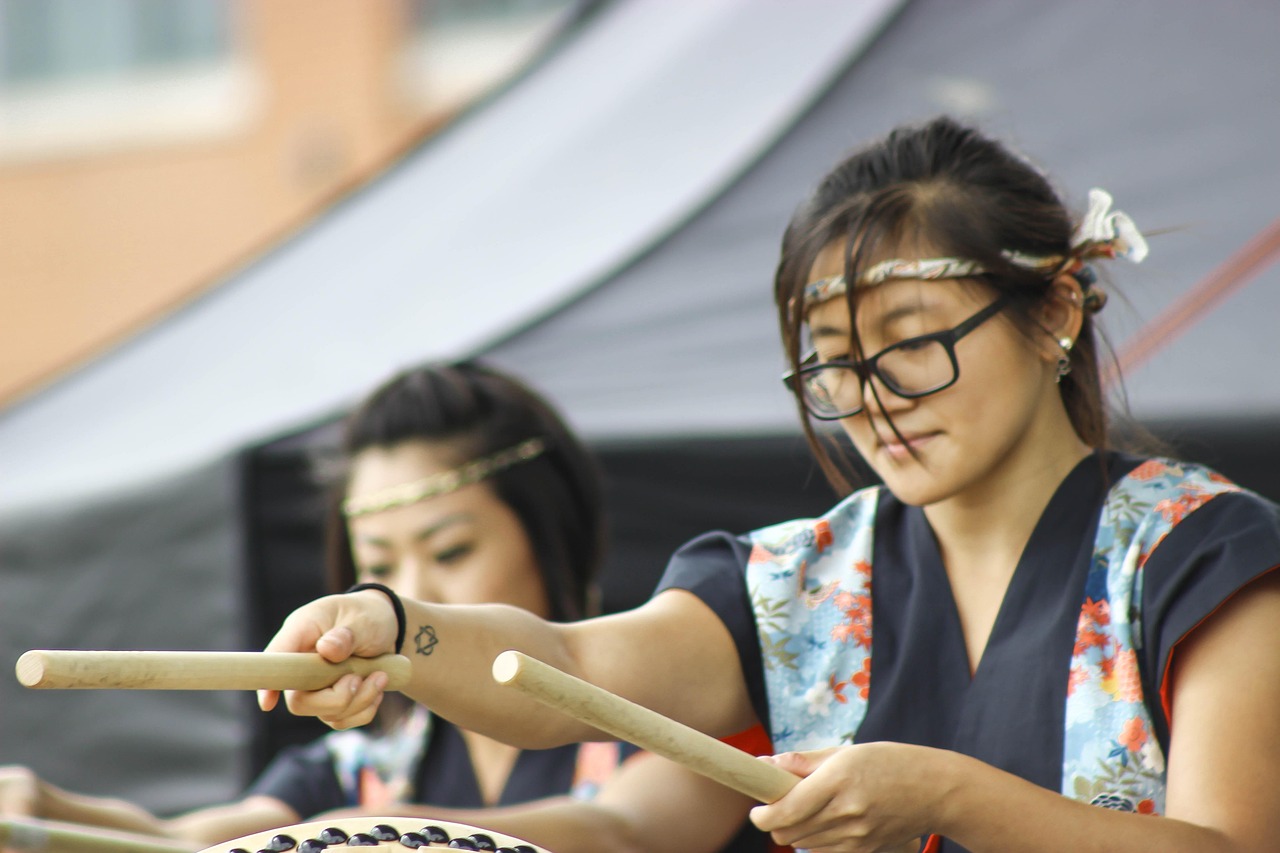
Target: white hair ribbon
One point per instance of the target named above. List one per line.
(1108, 232)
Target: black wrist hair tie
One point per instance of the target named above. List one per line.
(395, 605)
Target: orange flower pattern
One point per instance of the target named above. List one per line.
(1111, 757)
(810, 586)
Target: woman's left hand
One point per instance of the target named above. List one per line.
(855, 799)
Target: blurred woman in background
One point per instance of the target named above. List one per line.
(459, 486)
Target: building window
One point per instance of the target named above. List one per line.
(45, 41)
(460, 49)
(78, 75)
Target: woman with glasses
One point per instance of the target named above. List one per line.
(1023, 640)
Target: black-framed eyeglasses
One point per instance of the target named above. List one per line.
(910, 369)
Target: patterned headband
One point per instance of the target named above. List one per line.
(444, 482)
(1103, 233)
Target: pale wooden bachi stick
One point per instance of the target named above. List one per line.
(198, 670)
(646, 729)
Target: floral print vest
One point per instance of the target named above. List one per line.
(810, 587)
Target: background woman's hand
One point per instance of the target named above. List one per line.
(855, 799)
(19, 792)
(362, 624)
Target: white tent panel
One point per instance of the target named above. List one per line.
(626, 130)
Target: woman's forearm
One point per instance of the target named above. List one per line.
(214, 824)
(452, 651)
(986, 809)
(54, 803)
(631, 654)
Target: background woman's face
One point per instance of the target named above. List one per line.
(466, 547)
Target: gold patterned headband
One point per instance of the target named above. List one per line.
(1103, 233)
(444, 482)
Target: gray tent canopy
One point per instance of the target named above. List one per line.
(607, 230)
(1169, 111)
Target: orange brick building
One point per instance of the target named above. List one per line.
(148, 149)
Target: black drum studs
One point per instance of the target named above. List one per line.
(435, 834)
(427, 836)
(332, 835)
(280, 843)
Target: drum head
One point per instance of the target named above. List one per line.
(390, 832)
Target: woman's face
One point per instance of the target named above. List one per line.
(465, 547)
(962, 436)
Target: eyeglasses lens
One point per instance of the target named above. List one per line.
(913, 370)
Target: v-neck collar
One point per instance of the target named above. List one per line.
(1046, 556)
(921, 690)
(448, 778)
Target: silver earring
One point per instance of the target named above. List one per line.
(1064, 360)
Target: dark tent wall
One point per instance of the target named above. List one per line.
(153, 568)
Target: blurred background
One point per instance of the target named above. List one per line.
(223, 221)
(148, 147)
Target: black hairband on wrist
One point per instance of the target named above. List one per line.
(396, 605)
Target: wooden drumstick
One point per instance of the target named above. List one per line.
(43, 836)
(199, 670)
(646, 729)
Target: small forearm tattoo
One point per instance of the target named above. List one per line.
(425, 640)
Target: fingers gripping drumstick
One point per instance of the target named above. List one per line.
(646, 729)
(199, 670)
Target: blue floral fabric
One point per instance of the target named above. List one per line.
(810, 586)
(1111, 756)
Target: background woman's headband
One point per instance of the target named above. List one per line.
(444, 482)
(1103, 233)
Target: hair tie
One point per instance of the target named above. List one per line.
(396, 604)
(1107, 233)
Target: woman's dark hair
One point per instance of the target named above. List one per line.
(961, 194)
(556, 495)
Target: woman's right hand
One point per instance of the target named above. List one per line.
(338, 626)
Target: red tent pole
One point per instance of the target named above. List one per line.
(1252, 258)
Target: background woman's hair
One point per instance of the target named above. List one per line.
(954, 192)
(480, 411)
